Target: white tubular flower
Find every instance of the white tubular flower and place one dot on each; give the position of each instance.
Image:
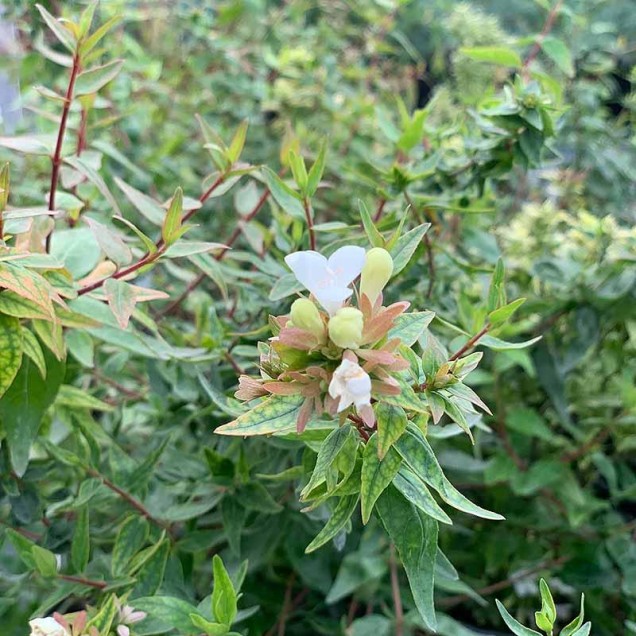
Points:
(352, 384)
(328, 279)
(46, 627)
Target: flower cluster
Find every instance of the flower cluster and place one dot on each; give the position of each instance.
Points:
(78, 625)
(338, 356)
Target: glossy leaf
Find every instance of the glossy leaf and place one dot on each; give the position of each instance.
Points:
(391, 422)
(10, 351)
(415, 537)
(273, 415)
(417, 453)
(377, 474)
(337, 522)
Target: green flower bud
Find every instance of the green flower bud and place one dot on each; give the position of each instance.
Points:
(305, 315)
(345, 328)
(376, 272)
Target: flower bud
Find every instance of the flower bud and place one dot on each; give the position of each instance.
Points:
(376, 272)
(345, 328)
(305, 315)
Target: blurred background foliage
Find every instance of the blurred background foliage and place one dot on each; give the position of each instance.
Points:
(421, 104)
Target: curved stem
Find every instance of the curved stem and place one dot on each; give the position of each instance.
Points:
(56, 159)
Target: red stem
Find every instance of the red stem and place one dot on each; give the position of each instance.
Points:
(310, 224)
(470, 344)
(56, 160)
(160, 245)
(547, 27)
(228, 244)
(100, 585)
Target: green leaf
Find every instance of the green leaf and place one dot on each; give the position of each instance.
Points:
(405, 247)
(145, 205)
(391, 423)
(285, 286)
(80, 547)
(415, 491)
(557, 50)
(24, 404)
(121, 299)
(572, 627)
(86, 19)
(415, 538)
(374, 236)
(77, 398)
(31, 347)
(283, 194)
(547, 602)
(150, 575)
(45, 561)
(327, 455)
(13, 305)
(210, 628)
(276, 414)
(409, 327)
(517, 628)
(50, 333)
(169, 610)
(223, 594)
(211, 268)
(584, 630)
(171, 229)
(60, 31)
(254, 496)
(504, 313)
(93, 40)
(92, 80)
(95, 178)
(238, 141)
(407, 399)
(377, 474)
(317, 170)
(81, 347)
(501, 345)
(131, 537)
(111, 242)
(496, 291)
(493, 55)
(103, 621)
(10, 351)
(529, 422)
(299, 171)
(22, 546)
(5, 177)
(337, 522)
(416, 451)
(78, 249)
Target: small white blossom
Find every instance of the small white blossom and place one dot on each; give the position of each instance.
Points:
(46, 627)
(328, 279)
(352, 384)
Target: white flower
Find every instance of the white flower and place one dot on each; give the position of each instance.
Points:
(352, 384)
(46, 627)
(328, 279)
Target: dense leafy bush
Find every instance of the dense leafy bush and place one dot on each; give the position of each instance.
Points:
(474, 163)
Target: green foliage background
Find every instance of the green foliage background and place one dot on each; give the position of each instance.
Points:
(119, 471)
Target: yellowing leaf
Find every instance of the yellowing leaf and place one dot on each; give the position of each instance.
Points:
(10, 351)
(276, 414)
(377, 474)
(121, 299)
